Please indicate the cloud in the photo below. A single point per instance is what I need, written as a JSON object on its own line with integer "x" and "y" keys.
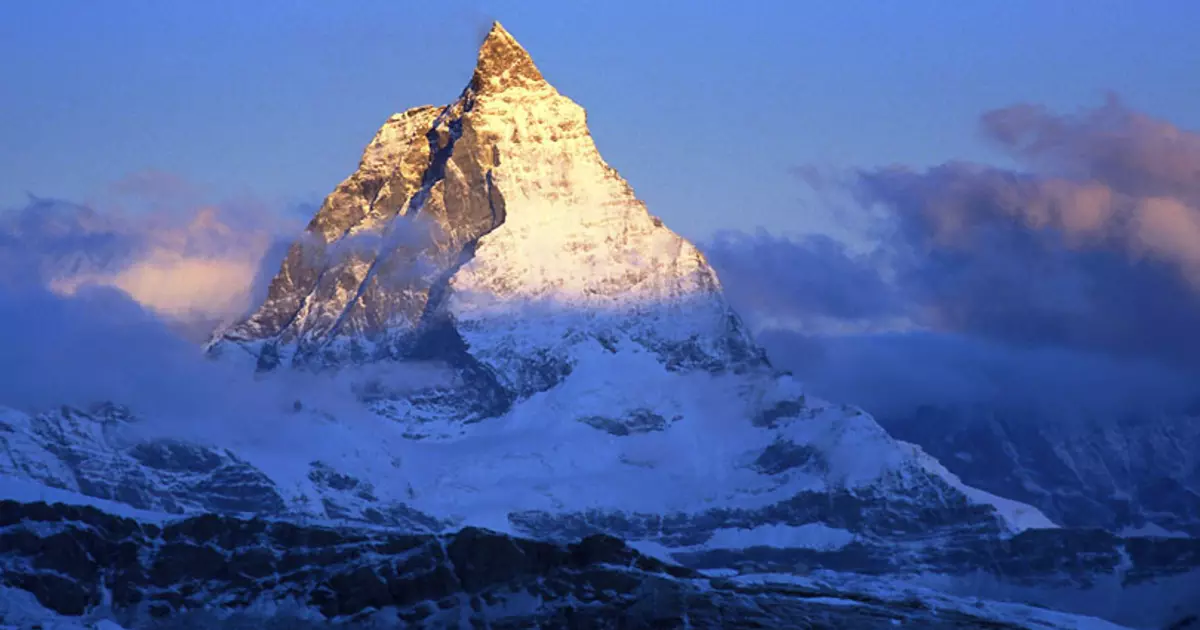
{"x": 106, "y": 301}
{"x": 812, "y": 282}
{"x": 1069, "y": 285}
{"x": 177, "y": 286}
{"x": 100, "y": 345}
{"x": 1096, "y": 247}
{"x": 153, "y": 237}
{"x": 1130, "y": 152}
{"x": 95, "y": 345}
{"x": 894, "y": 374}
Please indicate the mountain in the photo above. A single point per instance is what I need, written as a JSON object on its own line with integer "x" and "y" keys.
{"x": 490, "y": 236}
{"x": 592, "y": 381}
{"x": 1134, "y": 474}
{"x": 491, "y": 233}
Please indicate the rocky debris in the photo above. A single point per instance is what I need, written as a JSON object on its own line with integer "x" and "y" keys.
{"x": 784, "y": 455}
{"x": 348, "y": 499}
{"x": 216, "y": 568}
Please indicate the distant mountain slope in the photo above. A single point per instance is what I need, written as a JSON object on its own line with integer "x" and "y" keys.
{"x": 1139, "y": 474}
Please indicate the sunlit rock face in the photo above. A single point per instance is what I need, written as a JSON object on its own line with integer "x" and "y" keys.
{"x": 491, "y": 233}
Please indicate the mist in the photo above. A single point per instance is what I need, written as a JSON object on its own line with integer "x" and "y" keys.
{"x": 112, "y": 303}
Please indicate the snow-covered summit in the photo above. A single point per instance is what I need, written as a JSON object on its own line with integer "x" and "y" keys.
{"x": 491, "y": 234}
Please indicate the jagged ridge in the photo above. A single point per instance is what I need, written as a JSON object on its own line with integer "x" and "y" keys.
{"x": 75, "y": 559}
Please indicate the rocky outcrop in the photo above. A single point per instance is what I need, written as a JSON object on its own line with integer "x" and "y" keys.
{"x": 1076, "y": 559}
{"x": 79, "y": 559}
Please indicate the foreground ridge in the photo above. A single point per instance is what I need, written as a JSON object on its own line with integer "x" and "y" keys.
{"x": 213, "y": 569}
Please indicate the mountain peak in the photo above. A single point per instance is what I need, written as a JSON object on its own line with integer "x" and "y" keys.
{"x": 503, "y": 63}
{"x": 466, "y": 220}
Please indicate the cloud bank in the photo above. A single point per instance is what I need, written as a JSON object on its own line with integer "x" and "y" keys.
{"x": 107, "y": 302}
{"x": 1089, "y": 250}
{"x": 152, "y": 237}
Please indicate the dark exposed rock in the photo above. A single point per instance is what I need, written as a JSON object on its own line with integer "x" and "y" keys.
{"x": 348, "y": 498}
{"x": 925, "y": 515}
{"x": 174, "y": 456}
{"x": 771, "y": 416}
{"x": 56, "y": 592}
{"x": 784, "y": 455}
{"x": 636, "y": 421}
{"x": 322, "y": 474}
{"x": 223, "y": 564}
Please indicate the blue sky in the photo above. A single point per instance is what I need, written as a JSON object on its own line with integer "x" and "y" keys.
{"x": 704, "y": 107}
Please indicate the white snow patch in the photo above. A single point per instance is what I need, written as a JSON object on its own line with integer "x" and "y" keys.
{"x": 26, "y": 491}
{"x": 1151, "y": 530}
{"x": 808, "y": 536}
{"x": 899, "y": 591}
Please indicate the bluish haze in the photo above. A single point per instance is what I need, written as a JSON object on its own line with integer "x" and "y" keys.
{"x": 705, "y": 107}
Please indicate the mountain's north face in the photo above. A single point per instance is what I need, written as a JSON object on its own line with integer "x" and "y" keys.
{"x": 491, "y": 232}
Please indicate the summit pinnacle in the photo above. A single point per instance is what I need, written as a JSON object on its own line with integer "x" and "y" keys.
{"x": 503, "y": 63}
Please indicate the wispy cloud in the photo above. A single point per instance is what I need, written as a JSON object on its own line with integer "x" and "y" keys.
{"x": 813, "y": 283}
{"x": 153, "y": 236}
{"x": 107, "y": 301}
